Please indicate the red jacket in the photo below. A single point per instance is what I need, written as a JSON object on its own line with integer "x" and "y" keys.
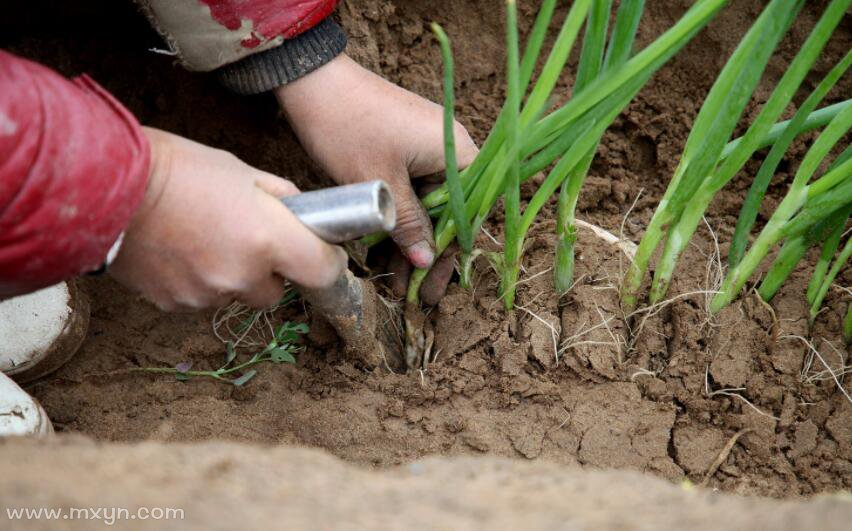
{"x": 74, "y": 163}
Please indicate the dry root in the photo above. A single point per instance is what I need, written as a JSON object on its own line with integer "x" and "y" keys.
{"x": 723, "y": 455}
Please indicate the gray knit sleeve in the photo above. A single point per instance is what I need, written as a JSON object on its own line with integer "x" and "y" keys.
{"x": 288, "y": 62}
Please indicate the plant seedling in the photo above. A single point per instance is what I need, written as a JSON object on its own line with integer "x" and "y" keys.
{"x": 281, "y": 349}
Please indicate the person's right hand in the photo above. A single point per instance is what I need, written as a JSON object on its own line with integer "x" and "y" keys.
{"x": 211, "y": 230}
{"x": 358, "y": 127}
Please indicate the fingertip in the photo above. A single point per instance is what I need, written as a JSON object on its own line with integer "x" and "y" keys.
{"x": 413, "y": 232}
{"x": 336, "y": 261}
{"x": 420, "y": 254}
{"x": 298, "y": 254}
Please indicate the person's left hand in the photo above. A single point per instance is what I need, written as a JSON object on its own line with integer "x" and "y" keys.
{"x": 359, "y": 127}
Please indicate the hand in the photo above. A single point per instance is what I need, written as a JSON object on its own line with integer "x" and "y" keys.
{"x": 211, "y": 229}
{"x": 358, "y": 127}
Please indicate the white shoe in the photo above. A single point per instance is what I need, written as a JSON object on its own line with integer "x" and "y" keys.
{"x": 20, "y": 414}
{"x": 40, "y": 331}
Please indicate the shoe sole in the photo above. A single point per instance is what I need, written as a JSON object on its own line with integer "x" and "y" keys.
{"x": 66, "y": 345}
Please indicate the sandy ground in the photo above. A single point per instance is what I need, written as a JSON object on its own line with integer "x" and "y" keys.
{"x": 238, "y": 486}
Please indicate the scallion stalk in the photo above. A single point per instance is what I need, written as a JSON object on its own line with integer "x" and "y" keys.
{"x": 828, "y": 249}
{"x": 512, "y": 194}
{"x": 830, "y": 229}
{"x": 794, "y": 250}
{"x": 591, "y": 61}
{"x": 464, "y": 234}
{"x": 839, "y": 262}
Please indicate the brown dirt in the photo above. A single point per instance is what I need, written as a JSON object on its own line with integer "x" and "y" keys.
{"x": 228, "y": 486}
{"x": 642, "y": 394}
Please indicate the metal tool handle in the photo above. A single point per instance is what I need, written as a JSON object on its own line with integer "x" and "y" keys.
{"x": 344, "y": 213}
{"x": 351, "y": 305}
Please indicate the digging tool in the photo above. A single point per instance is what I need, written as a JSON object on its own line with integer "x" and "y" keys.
{"x": 351, "y": 305}
{"x": 344, "y": 213}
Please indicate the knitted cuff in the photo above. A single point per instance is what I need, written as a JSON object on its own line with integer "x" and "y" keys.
{"x": 295, "y": 58}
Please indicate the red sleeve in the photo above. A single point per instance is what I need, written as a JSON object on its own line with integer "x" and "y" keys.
{"x": 270, "y": 18}
{"x": 73, "y": 169}
{"x": 208, "y": 34}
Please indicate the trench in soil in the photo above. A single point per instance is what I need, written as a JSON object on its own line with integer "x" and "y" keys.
{"x": 564, "y": 380}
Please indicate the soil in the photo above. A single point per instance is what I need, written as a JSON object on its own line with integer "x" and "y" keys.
{"x": 237, "y": 486}
{"x": 568, "y": 381}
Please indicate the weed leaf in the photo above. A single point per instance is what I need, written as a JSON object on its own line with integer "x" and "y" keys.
{"x": 290, "y": 332}
{"x": 231, "y": 353}
{"x": 282, "y": 355}
{"x": 244, "y": 378}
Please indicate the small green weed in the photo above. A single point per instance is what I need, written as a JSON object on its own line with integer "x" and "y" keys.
{"x": 281, "y": 349}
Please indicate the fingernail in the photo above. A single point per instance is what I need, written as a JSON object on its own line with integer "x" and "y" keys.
{"x": 421, "y": 254}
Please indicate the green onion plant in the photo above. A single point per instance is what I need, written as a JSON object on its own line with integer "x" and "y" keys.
{"x": 707, "y": 163}
{"x": 529, "y": 137}
{"x": 825, "y": 282}
{"x": 809, "y": 207}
